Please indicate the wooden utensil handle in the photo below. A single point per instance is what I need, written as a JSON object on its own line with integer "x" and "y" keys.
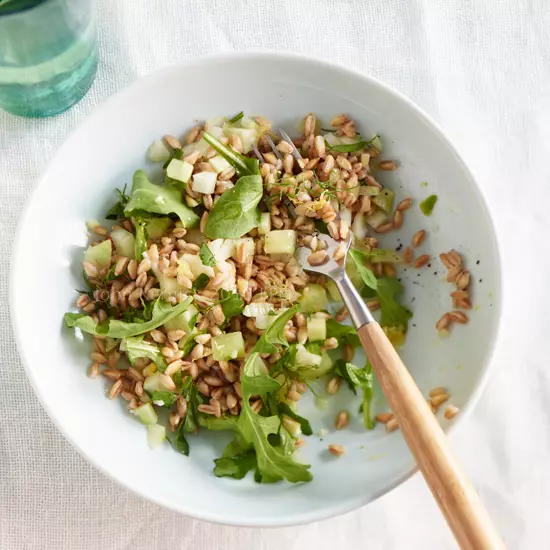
{"x": 457, "y": 499}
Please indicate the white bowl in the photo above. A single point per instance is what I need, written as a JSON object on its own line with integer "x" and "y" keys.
{"x": 103, "y": 153}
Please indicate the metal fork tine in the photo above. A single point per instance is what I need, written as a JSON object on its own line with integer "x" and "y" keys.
{"x": 273, "y": 147}
{"x": 295, "y": 152}
{"x": 258, "y": 154}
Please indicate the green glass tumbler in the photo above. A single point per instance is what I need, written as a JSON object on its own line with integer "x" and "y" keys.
{"x": 48, "y": 54}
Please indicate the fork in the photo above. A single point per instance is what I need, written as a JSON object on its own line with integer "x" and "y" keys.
{"x": 429, "y": 445}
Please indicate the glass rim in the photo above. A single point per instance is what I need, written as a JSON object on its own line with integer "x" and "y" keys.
{"x": 11, "y": 7}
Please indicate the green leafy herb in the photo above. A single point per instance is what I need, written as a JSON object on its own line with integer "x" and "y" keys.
{"x": 273, "y": 464}
{"x": 149, "y": 197}
{"x": 117, "y": 210}
{"x": 236, "y": 118}
{"x": 140, "y": 242}
{"x": 275, "y": 333}
{"x": 345, "y": 334}
{"x": 200, "y": 282}
{"x": 392, "y": 312}
{"x": 206, "y": 256}
{"x": 168, "y": 398}
{"x": 162, "y": 312}
{"x": 322, "y": 227}
{"x": 353, "y": 147}
{"x": 179, "y": 442}
{"x": 223, "y": 423}
{"x": 235, "y": 466}
{"x": 362, "y": 379}
{"x": 232, "y": 304}
{"x": 304, "y": 423}
{"x": 177, "y": 154}
{"x": 191, "y": 393}
{"x": 236, "y": 212}
{"x": 366, "y": 274}
{"x": 428, "y": 204}
{"x": 136, "y": 347}
{"x": 244, "y": 166}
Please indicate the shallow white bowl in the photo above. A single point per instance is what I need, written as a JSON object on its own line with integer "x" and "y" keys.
{"x": 103, "y": 153}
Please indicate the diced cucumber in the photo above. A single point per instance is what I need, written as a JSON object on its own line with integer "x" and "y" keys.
{"x": 249, "y": 247}
{"x": 292, "y": 426}
{"x": 192, "y": 263}
{"x": 265, "y": 223}
{"x": 124, "y": 243}
{"x": 158, "y": 382}
{"x": 333, "y": 292}
{"x": 258, "y": 308}
{"x": 376, "y": 142}
{"x": 219, "y": 163}
{"x": 359, "y": 226}
{"x": 280, "y": 241}
{"x": 179, "y": 170}
{"x": 377, "y": 219}
{"x": 249, "y": 136}
{"x": 384, "y": 200}
{"x": 157, "y": 227}
{"x": 99, "y": 255}
{"x": 92, "y": 224}
{"x": 156, "y": 434}
{"x": 222, "y": 249}
{"x": 184, "y": 320}
{"x": 264, "y": 321}
{"x": 314, "y": 298}
{"x": 146, "y": 414}
{"x": 197, "y": 146}
{"x": 214, "y": 123}
{"x": 345, "y": 215}
{"x": 204, "y": 182}
{"x": 316, "y": 329}
{"x": 228, "y": 346}
{"x": 158, "y": 151}
{"x": 316, "y": 372}
{"x": 304, "y": 358}
{"x": 332, "y": 139}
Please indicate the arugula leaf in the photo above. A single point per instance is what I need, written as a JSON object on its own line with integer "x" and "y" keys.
{"x": 352, "y": 147}
{"x": 244, "y": 166}
{"x": 162, "y": 313}
{"x": 275, "y": 333}
{"x": 117, "y": 210}
{"x": 273, "y": 465}
{"x": 304, "y": 423}
{"x": 236, "y": 466}
{"x": 345, "y": 334}
{"x": 178, "y": 440}
{"x": 392, "y": 312}
{"x": 149, "y": 197}
{"x": 359, "y": 378}
{"x": 140, "y": 242}
{"x": 232, "y": 303}
{"x": 194, "y": 398}
{"x": 236, "y": 212}
{"x": 236, "y": 118}
{"x": 366, "y": 274}
{"x": 200, "y": 282}
{"x": 206, "y": 256}
{"x": 168, "y": 398}
{"x": 137, "y": 347}
{"x": 224, "y": 423}
{"x": 177, "y": 154}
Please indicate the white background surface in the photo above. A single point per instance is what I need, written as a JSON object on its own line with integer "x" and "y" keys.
{"x": 482, "y": 70}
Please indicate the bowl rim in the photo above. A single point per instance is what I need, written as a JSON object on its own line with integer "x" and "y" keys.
{"x": 228, "y": 57}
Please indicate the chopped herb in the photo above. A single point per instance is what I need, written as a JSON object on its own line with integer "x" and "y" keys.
{"x": 232, "y": 303}
{"x": 117, "y": 210}
{"x": 428, "y": 204}
{"x": 206, "y": 256}
{"x": 304, "y": 423}
{"x": 236, "y": 118}
{"x": 200, "y": 282}
{"x": 167, "y": 398}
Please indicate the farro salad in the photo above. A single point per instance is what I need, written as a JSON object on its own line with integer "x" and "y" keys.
{"x": 202, "y": 318}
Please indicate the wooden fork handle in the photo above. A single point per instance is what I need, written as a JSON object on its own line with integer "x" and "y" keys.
{"x": 456, "y": 497}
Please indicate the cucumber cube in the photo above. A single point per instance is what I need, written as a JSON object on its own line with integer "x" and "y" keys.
{"x": 265, "y": 223}
{"x": 205, "y": 182}
{"x": 280, "y": 241}
{"x": 228, "y": 346}
{"x": 179, "y": 170}
{"x": 156, "y": 434}
{"x": 314, "y": 298}
{"x": 316, "y": 329}
{"x": 146, "y": 414}
{"x": 99, "y": 255}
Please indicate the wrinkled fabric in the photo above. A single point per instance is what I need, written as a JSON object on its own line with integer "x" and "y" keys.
{"x": 482, "y": 70}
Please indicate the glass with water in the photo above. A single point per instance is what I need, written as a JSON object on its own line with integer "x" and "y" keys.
{"x": 48, "y": 54}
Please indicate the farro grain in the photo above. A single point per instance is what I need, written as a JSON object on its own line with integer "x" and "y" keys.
{"x": 443, "y": 322}
{"x": 144, "y": 266}
{"x": 135, "y": 375}
{"x": 90, "y": 269}
{"x": 141, "y": 280}
{"x": 384, "y": 228}
{"x": 192, "y": 135}
{"x": 384, "y": 418}
{"x": 387, "y": 165}
{"x": 342, "y": 420}
{"x": 373, "y": 304}
{"x": 175, "y": 335}
{"x": 121, "y": 265}
{"x": 336, "y": 450}
{"x": 343, "y": 162}
{"x": 293, "y": 395}
{"x": 318, "y": 258}
{"x": 94, "y": 370}
{"x": 115, "y": 390}
{"x": 342, "y": 314}
{"x": 421, "y": 261}
{"x": 132, "y": 404}
{"x": 213, "y": 381}
{"x": 111, "y": 374}
{"x": 458, "y": 317}
{"x": 437, "y": 391}
{"x": 132, "y": 269}
{"x": 450, "y": 412}
{"x": 333, "y": 385}
{"x": 391, "y": 425}
{"x": 173, "y": 142}
{"x": 439, "y": 399}
{"x": 138, "y": 389}
{"x": 173, "y": 367}
{"x": 451, "y": 259}
{"x": 405, "y": 204}
{"x": 158, "y": 336}
{"x": 463, "y": 280}
{"x": 418, "y": 238}
{"x": 98, "y": 358}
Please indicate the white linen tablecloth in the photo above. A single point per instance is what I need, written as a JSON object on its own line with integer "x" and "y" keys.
{"x": 482, "y": 70}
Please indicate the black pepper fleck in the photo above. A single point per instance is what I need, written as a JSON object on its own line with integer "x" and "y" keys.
{"x": 477, "y": 263}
